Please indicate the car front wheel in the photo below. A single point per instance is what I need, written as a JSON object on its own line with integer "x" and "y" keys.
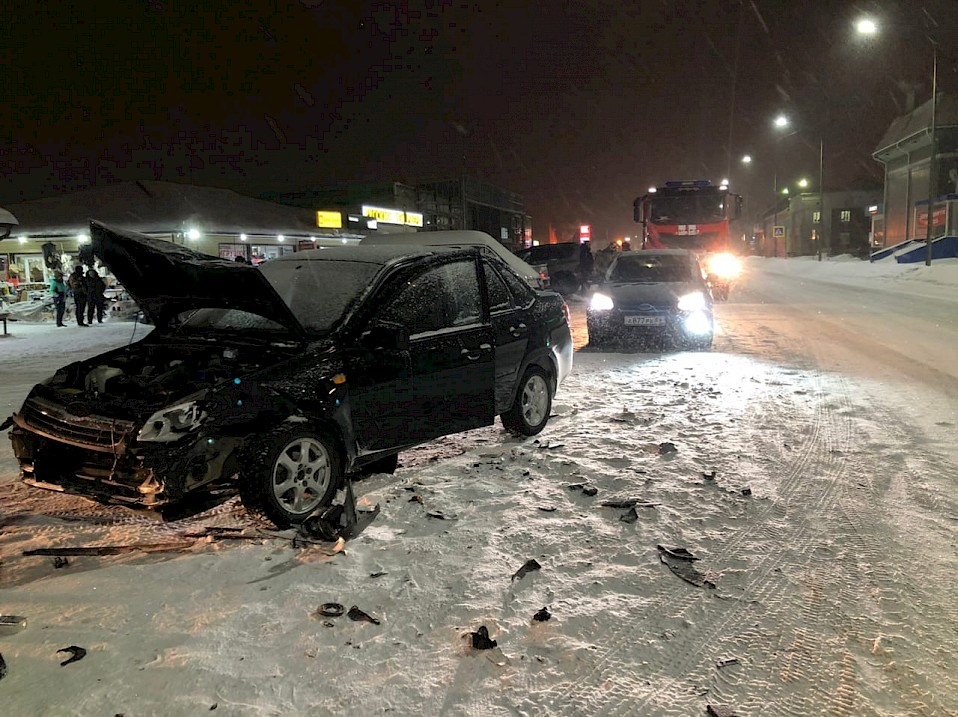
{"x": 533, "y": 404}
{"x": 294, "y": 471}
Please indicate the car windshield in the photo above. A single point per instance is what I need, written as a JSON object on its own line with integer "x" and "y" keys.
{"x": 548, "y": 252}
{"x": 651, "y": 268}
{"x": 320, "y": 291}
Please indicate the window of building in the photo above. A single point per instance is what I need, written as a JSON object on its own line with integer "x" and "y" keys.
{"x": 816, "y": 217}
{"x": 846, "y": 215}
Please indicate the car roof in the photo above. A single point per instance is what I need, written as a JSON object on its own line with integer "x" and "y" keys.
{"x": 457, "y": 238}
{"x": 379, "y": 254}
{"x": 657, "y": 252}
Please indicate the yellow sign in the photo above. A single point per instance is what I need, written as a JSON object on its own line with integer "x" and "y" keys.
{"x": 393, "y": 216}
{"x": 329, "y": 220}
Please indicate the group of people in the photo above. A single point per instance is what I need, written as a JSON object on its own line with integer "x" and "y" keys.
{"x": 88, "y": 295}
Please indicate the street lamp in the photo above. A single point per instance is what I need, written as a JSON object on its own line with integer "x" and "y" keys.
{"x": 781, "y": 122}
{"x": 868, "y": 27}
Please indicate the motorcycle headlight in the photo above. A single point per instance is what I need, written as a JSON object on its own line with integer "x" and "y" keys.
{"x": 601, "y": 302}
{"x": 725, "y": 266}
{"x": 171, "y": 424}
{"x": 692, "y": 302}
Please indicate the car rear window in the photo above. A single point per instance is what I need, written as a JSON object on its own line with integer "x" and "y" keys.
{"x": 651, "y": 267}
{"x": 546, "y": 252}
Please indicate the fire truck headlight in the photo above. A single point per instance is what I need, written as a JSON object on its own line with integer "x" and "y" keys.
{"x": 724, "y": 266}
{"x": 601, "y": 302}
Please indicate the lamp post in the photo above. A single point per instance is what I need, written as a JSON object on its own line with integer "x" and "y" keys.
{"x": 868, "y": 27}
{"x": 782, "y": 122}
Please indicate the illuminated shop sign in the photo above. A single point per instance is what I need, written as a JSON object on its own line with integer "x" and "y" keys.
{"x": 329, "y": 220}
{"x": 393, "y": 216}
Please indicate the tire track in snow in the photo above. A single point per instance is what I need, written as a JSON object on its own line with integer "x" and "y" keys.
{"x": 626, "y": 695}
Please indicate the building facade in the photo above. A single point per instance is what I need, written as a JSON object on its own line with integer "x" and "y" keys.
{"x": 906, "y": 154}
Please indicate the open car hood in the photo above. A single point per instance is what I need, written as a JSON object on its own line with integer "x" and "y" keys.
{"x": 166, "y": 279}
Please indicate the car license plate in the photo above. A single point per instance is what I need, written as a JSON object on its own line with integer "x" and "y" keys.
{"x": 644, "y": 320}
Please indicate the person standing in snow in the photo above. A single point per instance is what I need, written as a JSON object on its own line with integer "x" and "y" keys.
{"x": 59, "y": 292}
{"x": 95, "y": 286}
{"x": 77, "y": 284}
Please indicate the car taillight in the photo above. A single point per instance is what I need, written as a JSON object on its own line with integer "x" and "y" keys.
{"x": 567, "y": 313}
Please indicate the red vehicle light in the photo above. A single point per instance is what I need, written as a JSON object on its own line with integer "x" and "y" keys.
{"x": 567, "y": 313}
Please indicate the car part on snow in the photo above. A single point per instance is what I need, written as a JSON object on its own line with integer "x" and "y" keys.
{"x": 113, "y": 549}
{"x": 60, "y": 562}
{"x": 357, "y": 615}
{"x": 338, "y": 521}
{"x": 726, "y": 662}
{"x": 76, "y": 654}
{"x": 532, "y": 406}
{"x": 3, "y": 667}
{"x": 709, "y": 476}
{"x": 716, "y": 711}
{"x": 440, "y": 516}
{"x": 331, "y": 609}
{"x": 677, "y": 553}
{"x": 297, "y": 473}
{"x": 630, "y": 516}
{"x": 480, "y": 639}
{"x": 666, "y": 448}
{"x": 629, "y": 503}
{"x": 746, "y": 491}
{"x": 543, "y": 615}
{"x": 530, "y": 566}
{"x": 10, "y": 624}
{"x": 684, "y": 569}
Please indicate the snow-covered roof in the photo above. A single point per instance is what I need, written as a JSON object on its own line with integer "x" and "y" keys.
{"x": 911, "y": 130}
{"x": 159, "y": 207}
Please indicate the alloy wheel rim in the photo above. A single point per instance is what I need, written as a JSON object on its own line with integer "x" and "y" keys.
{"x": 535, "y": 399}
{"x": 301, "y": 475}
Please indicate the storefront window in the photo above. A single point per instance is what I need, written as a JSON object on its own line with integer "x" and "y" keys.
{"x": 264, "y": 252}
{"x": 231, "y": 251}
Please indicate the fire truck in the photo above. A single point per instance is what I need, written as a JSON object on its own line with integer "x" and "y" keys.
{"x": 695, "y": 215}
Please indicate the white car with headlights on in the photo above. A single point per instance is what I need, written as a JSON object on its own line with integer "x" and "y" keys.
{"x": 656, "y": 296}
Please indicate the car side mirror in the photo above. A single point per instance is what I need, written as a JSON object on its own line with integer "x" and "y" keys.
{"x": 383, "y": 335}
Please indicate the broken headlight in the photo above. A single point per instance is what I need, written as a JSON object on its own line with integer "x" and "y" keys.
{"x": 171, "y": 424}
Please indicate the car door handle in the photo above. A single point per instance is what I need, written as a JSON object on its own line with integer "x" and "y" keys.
{"x": 471, "y": 354}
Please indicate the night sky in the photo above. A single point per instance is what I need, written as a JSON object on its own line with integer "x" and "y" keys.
{"x": 579, "y": 106}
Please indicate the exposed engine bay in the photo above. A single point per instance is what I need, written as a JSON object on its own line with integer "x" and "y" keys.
{"x": 145, "y": 377}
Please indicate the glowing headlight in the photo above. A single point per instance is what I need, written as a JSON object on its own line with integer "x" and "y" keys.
{"x": 170, "y": 424}
{"x": 601, "y": 302}
{"x": 724, "y": 266}
{"x": 692, "y": 302}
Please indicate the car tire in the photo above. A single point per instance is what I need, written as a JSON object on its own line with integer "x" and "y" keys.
{"x": 532, "y": 406}
{"x": 296, "y": 471}
{"x": 387, "y": 465}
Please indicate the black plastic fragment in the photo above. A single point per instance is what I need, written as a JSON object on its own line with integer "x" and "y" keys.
{"x": 358, "y": 615}
{"x": 76, "y": 654}
{"x": 619, "y": 503}
{"x": 530, "y": 566}
{"x": 3, "y": 667}
{"x": 60, "y": 562}
{"x": 338, "y": 521}
{"x": 480, "y": 639}
{"x": 716, "y": 711}
{"x": 709, "y": 476}
{"x": 547, "y": 508}
{"x": 590, "y": 490}
{"x": 746, "y": 491}
{"x": 667, "y": 447}
{"x": 543, "y": 615}
{"x": 679, "y": 553}
{"x": 630, "y": 517}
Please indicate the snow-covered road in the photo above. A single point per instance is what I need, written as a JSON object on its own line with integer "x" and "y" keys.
{"x": 825, "y": 537}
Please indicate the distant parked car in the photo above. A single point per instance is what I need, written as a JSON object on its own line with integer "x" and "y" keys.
{"x": 564, "y": 261}
{"x": 289, "y": 376}
{"x": 653, "y": 295}
{"x": 536, "y": 276}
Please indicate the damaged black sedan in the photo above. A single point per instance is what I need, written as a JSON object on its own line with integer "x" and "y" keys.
{"x": 288, "y": 377}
